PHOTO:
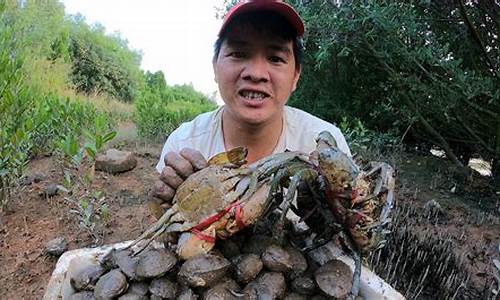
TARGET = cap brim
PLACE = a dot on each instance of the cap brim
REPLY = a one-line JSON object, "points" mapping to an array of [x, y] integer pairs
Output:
{"points": [[281, 8]]}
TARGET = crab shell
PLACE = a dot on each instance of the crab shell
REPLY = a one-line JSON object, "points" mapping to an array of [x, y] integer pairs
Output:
{"points": [[365, 219], [207, 192], [192, 244]]}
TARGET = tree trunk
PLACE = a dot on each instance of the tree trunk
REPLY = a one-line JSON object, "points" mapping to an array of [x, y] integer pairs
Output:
{"points": [[495, 171]]}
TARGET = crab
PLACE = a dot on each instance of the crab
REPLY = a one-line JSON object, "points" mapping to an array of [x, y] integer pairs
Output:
{"points": [[359, 201], [226, 196], [219, 200]]}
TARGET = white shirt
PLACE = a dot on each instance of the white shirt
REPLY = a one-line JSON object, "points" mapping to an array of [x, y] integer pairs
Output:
{"points": [[204, 133]]}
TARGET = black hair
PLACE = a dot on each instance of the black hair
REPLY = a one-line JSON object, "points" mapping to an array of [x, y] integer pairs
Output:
{"points": [[265, 22]]}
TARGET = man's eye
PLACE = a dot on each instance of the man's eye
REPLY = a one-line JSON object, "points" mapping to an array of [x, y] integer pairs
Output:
{"points": [[277, 59], [237, 54]]}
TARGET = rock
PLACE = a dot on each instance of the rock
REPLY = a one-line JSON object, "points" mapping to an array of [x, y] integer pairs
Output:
{"points": [[318, 297], [295, 296], [51, 190], [257, 244], [299, 262], [334, 278], [277, 259], [203, 270], [228, 248], [270, 285], [126, 262], [155, 263], [222, 291], [56, 247], [138, 288], [107, 261], [187, 294], [38, 177], [29, 179], [304, 286], [432, 208], [110, 285], [163, 287], [115, 161], [86, 277], [86, 295], [132, 296], [247, 267]]}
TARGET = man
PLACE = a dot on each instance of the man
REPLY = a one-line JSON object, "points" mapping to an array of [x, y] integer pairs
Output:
{"points": [[256, 64]]}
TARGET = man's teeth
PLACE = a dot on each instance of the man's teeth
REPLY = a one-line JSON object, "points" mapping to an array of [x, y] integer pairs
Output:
{"points": [[253, 95]]}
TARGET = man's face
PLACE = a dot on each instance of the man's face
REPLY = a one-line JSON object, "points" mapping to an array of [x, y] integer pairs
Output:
{"points": [[256, 74]]}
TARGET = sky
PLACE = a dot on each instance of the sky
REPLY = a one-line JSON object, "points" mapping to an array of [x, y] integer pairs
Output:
{"points": [[174, 36]]}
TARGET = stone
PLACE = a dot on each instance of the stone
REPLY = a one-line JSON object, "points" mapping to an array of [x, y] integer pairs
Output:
{"points": [[111, 285], [155, 263], [132, 296], [163, 287], [334, 279], [223, 290], [115, 161], [277, 259], [56, 247], [138, 288], [203, 270], [86, 277], [86, 295], [247, 267], [51, 190], [304, 285], [269, 285]]}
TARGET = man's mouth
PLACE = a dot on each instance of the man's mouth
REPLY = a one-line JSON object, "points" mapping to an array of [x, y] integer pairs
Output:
{"points": [[253, 95]]}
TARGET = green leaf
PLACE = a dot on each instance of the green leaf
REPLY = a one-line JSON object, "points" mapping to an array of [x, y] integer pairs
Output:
{"points": [[91, 152], [109, 136]]}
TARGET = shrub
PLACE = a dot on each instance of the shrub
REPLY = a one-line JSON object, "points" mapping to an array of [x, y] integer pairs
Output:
{"points": [[158, 114]]}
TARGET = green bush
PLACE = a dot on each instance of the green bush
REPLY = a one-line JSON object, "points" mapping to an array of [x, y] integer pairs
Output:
{"points": [[31, 121], [159, 113], [57, 117]]}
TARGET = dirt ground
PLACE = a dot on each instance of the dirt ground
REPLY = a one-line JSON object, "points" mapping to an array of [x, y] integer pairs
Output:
{"points": [[33, 219]]}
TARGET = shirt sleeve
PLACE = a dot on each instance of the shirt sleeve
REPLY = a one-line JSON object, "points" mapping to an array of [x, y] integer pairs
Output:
{"points": [[170, 145]]}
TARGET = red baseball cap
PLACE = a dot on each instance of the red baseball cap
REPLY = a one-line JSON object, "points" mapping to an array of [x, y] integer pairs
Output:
{"points": [[277, 6]]}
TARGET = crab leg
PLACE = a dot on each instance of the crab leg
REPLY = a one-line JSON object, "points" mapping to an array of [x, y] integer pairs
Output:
{"points": [[156, 229], [356, 276], [306, 174]]}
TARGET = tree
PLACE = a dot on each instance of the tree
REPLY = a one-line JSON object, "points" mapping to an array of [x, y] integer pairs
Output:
{"points": [[402, 66], [102, 63]]}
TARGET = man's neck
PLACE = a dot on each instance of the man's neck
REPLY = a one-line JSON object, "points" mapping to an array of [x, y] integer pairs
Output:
{"points": [[260, 140]]}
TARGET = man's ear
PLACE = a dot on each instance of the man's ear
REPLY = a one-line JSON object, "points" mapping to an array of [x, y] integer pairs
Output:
{"points": [[214, 67], [296, 78]]}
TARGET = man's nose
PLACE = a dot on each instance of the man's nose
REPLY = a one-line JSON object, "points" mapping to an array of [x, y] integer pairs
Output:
{"points": [[256, 70]]}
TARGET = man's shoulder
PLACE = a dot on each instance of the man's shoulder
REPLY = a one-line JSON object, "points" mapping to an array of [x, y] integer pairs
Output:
{"points": [[301, 121], [200, 126], [303, 128]]}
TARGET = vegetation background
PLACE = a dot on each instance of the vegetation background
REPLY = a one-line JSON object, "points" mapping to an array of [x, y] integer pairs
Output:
{"points": [[398, 77]]}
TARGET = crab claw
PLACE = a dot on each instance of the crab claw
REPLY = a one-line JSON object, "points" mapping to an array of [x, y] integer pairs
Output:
{"points": [[192, 244]]}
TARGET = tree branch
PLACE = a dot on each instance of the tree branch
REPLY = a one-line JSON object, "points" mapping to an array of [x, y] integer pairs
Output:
{"points": [[475, 36]]}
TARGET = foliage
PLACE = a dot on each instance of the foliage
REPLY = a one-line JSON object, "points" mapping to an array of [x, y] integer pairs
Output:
{"points": [[405, 67], [362, 139], [32, 121], [156, 80], [103, 64], [159, 112], [14, 102]]}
